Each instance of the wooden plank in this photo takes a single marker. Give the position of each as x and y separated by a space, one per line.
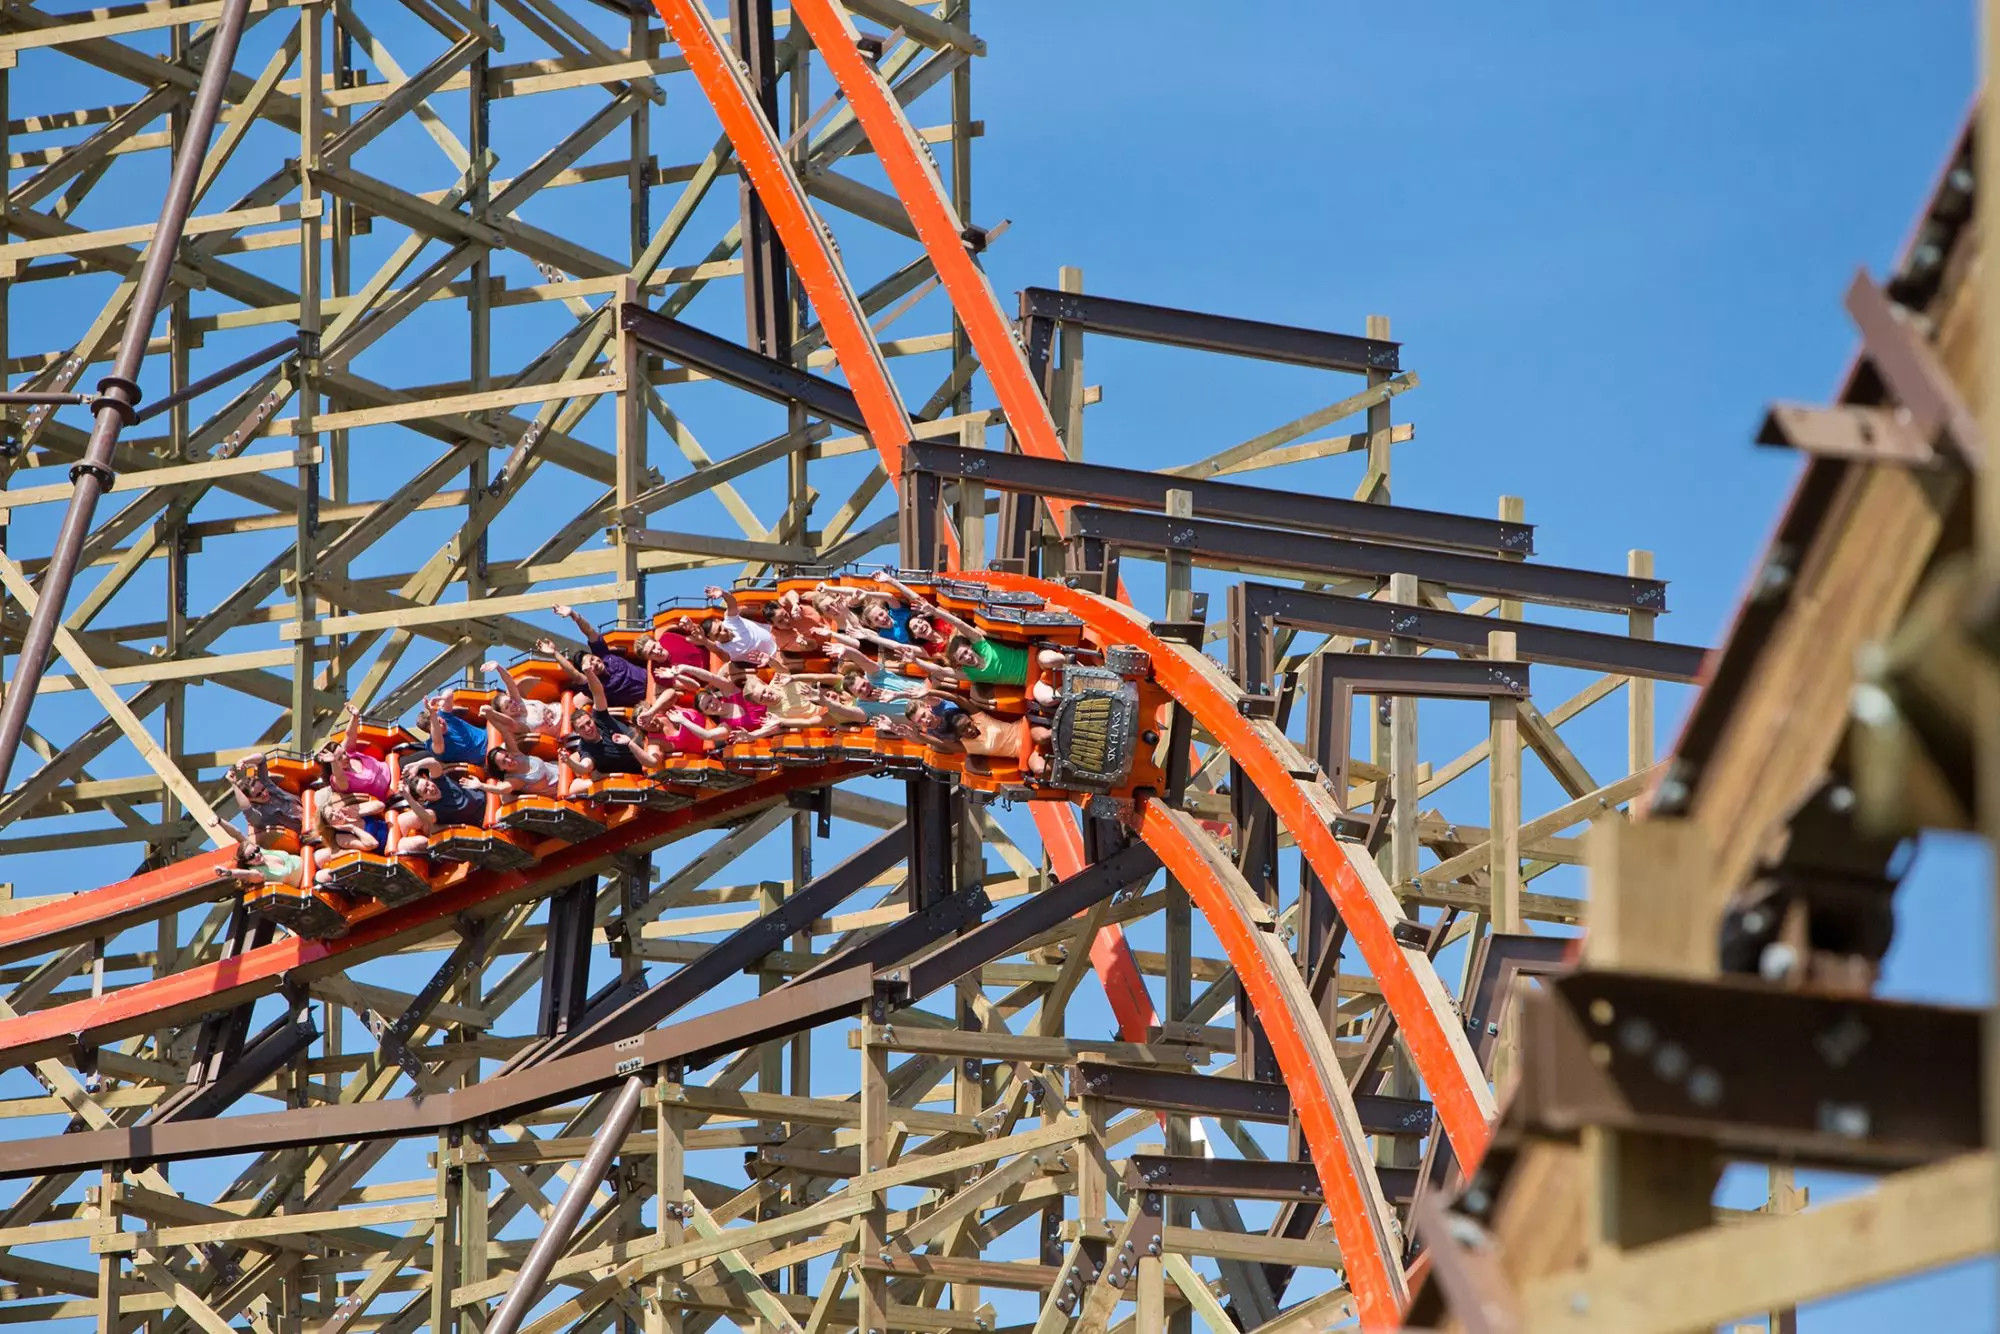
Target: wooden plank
454 404
1911 1222
146 478
447 612
1250 1247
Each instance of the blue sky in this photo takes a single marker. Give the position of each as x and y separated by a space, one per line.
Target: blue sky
1608 235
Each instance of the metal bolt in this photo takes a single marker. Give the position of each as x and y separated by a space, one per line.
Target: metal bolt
1636 1036
1704 1087
1579 1303
1671 1062
1848 1119
1841 799
1772 580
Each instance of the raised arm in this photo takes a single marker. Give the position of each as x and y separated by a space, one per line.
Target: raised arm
706 677
575 617
352 740
507 682
596 683
687 721
547 648
648 756
716 592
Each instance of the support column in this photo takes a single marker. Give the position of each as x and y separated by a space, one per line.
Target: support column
1395 747
1375 485
1179 563
874 1234
312 63
663 1312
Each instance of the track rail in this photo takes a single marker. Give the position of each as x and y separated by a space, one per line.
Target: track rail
111 908
58 1031
1410 984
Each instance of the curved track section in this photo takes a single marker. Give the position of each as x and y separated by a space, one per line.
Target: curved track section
1327 1116
808 242
1410 984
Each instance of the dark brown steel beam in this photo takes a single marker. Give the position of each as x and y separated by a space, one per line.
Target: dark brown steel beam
767 377
1230 545
1845 1082
780 1013
1246 1178
1008 932
1243 1099
1096 484
1147 323
1553 645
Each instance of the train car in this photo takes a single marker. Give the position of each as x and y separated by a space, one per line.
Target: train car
1081 722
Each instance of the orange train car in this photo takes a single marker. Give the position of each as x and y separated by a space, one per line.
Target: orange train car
1099 720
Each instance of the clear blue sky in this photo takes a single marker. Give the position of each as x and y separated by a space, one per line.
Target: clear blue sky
1609 234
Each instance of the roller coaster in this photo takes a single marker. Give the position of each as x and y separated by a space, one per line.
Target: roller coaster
959 631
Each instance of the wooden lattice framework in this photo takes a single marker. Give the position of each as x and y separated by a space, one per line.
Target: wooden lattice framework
359 526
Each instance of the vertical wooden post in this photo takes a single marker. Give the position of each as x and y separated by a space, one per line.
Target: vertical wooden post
874 1157
1091 1183
110 1264
1152 1295
312 20
1512 510
1645 1188
1065 407
1639 725
1180 564
445 1235
1066 403
669 1185
972 504
1396 742
1503 863
1375 486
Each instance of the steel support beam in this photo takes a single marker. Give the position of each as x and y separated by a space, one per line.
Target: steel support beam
1096 484
1228 545
1206 333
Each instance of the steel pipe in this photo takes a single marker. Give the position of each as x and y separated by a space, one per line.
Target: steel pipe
534 1271
118 392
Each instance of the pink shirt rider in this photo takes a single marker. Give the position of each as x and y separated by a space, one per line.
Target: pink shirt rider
367 775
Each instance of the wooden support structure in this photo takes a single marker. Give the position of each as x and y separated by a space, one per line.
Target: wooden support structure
482 419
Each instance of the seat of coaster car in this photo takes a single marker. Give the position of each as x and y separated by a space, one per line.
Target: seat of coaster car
485 846
548 817
299 905
645 790
304 910
390 881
